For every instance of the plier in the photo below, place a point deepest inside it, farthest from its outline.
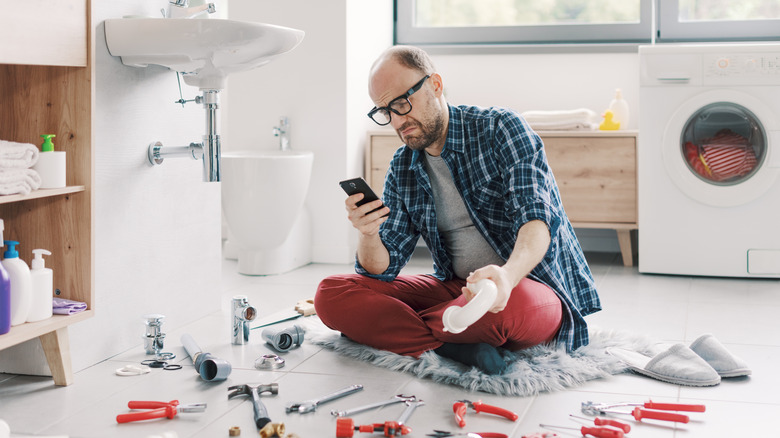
(460, 407)
(650, 410)
(157, 409)
(444, 433)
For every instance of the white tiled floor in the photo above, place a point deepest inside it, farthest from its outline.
(741, 313)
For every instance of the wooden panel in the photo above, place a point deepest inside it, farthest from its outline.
(381, 147)
(596, 177)
(43, 32)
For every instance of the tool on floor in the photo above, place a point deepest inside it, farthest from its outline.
(460, 407)
(345, 427)
(260, 412)
(456, 318)
(444, 433)
(302, 308)
(311, 405)
(598, 421)
(649, 410)
(243, 313)
(157, 409)
(597, 431)
(209, 367)
(284, 339)
(400, 398)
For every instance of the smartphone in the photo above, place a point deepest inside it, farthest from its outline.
(359, 185)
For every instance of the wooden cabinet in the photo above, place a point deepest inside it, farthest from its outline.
(595, 172)
(40, 94)
(596, 175)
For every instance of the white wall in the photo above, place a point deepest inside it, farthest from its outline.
(156, 230)
(321, 86)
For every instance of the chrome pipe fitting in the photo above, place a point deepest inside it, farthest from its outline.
(243, 313)
(154, 338)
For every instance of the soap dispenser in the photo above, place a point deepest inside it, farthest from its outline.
(5, 295)
(50, 165)
(19, 274)
(42, 287)
(619, 108)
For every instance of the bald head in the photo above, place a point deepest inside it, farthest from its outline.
(410, 57)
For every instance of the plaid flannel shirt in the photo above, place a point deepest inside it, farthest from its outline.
(500, 169)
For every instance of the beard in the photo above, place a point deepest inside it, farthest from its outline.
(430, 131)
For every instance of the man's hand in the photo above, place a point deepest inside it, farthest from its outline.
(367, 224)
(505, 282)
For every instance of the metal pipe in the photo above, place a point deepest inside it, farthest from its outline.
(211, 141)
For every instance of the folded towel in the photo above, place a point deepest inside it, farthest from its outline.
(18, 181)
(576, 119)
(62, 306)
(17, 155)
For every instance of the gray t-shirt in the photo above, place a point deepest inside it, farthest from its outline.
(464, 243)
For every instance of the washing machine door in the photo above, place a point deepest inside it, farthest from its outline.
(720, 148)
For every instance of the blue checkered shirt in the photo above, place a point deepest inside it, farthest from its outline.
(500, 168)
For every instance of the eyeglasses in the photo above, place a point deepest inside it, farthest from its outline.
(400, 105)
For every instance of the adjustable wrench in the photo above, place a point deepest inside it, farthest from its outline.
(400, 398)
(311, 405)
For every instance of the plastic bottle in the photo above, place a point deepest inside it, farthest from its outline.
(42, 287)
(5, 295)
(619, 108)
(21, 290)
(50, 165)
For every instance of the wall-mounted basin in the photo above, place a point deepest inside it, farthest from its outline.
(204, 51)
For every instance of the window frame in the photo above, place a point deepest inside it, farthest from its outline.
(658, 23)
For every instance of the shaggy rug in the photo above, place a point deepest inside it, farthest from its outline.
(531, 371)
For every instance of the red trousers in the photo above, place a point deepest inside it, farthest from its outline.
(404, 316)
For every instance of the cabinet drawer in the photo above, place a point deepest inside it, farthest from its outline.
(44, 32)
(596, 177)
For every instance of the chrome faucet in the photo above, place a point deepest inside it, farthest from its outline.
(283, 132)
(182, 9)
(154, 338)
(242, 314)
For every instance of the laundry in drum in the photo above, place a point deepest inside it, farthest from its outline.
(723, 157)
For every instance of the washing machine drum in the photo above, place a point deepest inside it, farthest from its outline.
(719, 151)
(723, 143)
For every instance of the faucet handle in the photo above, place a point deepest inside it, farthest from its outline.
(179, 3)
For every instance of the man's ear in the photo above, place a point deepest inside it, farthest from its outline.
(438, 84)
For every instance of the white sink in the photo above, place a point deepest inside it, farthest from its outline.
(204, 51)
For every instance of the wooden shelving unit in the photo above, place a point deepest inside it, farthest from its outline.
(46, 87)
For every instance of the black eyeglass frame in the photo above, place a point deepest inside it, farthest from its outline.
(389, 108)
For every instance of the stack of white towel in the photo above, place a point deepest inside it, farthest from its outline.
(564, 120)
(16, 175)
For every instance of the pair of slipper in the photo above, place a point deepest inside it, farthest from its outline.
(704, 363)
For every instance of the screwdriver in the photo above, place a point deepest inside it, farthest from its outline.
(598, 432)
(598, 421)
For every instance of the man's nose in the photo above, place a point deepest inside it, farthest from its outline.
(397, 121)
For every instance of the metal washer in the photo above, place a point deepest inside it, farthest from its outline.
(269, 362)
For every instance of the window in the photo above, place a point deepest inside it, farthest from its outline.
(531, 22)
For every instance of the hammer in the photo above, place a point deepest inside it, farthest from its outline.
(261, 413)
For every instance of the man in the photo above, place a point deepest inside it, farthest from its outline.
(475, 184)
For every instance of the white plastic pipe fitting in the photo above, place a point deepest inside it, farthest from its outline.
(457, 318)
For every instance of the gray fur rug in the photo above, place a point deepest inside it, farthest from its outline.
(532, 371)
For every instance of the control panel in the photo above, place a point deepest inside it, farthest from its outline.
(743, 69)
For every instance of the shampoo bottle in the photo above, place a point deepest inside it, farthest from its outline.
(619, 108)
(50, 165)
(19, 274)
(5, 295)
(42, 286)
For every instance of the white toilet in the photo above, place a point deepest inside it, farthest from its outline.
(268, 228)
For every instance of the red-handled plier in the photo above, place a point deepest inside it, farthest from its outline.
(157, 410)
(649, 410)
(460, 407)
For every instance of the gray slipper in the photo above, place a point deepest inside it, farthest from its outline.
(719, 358)
(678, 365)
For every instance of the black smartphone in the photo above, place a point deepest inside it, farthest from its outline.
(359, 185)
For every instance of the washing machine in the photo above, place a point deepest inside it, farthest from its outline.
(708, 162)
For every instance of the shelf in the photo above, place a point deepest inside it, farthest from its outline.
(40, 193)
(31, 330)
